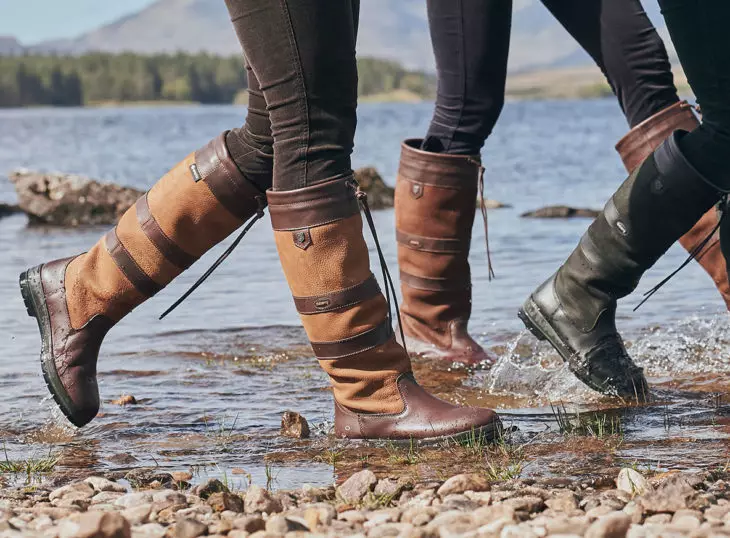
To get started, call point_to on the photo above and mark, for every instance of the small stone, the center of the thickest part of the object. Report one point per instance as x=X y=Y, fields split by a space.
x=464 y=482
x=181 y=476
x=354 y=489
x=487 y=514
x=294 y=425
x=517 y=531
x=319 y=514
x=673 y=494
x=131 y=500
x=126 y=399
x=599 y=511
x=249 y=524
x=614 y=525
x=528 y=504
x=355 y=517
x=103 y=525
x=219 y=527
x=225 y=501
x=99 y=483
x=687 y=519
x=105 y=497
x=189 y=528
x=169 y=497
x=210 y=487
x=391 y=529
x=632 y=482
x=563 y=501
x=77 y=490
x=379 y=517
x=279 y=525
x=260 y=500
x=235 y=533
x=567 y=525
x=388 y=487
x=138 y=515
x=149 y=530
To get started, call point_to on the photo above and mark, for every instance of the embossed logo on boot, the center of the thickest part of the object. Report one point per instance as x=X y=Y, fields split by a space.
x=302 y=239
x=417 y=190
x=322 y=303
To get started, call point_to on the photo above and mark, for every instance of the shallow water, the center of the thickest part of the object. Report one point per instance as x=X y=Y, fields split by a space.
x=214 y=377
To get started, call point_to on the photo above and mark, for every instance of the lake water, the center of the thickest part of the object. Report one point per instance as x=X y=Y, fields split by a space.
x=213 y=378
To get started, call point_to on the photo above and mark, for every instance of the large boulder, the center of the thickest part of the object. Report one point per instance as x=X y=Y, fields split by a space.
x=561 y=212
x=70 y=200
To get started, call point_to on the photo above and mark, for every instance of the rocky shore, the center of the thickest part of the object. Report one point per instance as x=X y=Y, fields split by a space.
x=155 y=505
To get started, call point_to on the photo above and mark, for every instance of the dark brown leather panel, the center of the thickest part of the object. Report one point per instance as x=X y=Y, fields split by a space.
x=424 y=417
x=167 y=247
x=435 y=284
x=433 y=244
x=214 y=166
x=317 y=205
x=357 y=344
x=128 y=266
x=338 y=299
x=436 y=169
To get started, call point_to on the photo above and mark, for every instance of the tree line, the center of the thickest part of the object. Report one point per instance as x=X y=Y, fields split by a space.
x=32 y=80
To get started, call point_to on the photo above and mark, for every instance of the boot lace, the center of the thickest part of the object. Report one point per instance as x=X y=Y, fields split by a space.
x=261 y=200
x=697 y=252
x=485 y=217
x=390 y=294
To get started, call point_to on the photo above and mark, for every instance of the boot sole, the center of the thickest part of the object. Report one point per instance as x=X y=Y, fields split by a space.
x=488 y=433
x=31 y=288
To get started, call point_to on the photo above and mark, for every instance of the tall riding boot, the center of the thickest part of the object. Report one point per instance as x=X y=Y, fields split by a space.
x=318 y=231
x=435 y=204
x=575 y=309
x=77 y=300
x=638 y=144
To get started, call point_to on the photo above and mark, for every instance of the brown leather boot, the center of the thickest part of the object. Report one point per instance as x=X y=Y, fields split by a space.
x=435 y=202
x=318 y=233
x=643 y=140
x=77 y=300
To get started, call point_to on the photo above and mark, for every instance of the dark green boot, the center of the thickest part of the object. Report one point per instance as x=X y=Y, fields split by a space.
x=575 y=308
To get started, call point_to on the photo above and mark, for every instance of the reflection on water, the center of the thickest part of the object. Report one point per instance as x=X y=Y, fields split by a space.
x=212 y=380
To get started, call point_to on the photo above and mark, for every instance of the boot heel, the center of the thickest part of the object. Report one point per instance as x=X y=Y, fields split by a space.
x=537 y=333
x=27 y=294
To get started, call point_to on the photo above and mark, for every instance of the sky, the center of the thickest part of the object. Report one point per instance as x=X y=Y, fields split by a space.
x=32 y=21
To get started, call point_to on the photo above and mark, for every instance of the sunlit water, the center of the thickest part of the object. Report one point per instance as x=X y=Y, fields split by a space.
x=214 y=377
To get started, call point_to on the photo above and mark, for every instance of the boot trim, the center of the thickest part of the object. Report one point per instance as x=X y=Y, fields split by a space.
x=317 y=205
x=215 y=166
x=124 y=260
x=642 y=140
x=157 y=236
x=357 y=344
x=436 y=169
x=435 y=284
x=432 y=244
x=670 y=161
x=336 y=300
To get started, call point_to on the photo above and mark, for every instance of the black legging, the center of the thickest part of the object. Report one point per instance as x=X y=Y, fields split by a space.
x=471 y=44
x=303 y=82
x=699 y=30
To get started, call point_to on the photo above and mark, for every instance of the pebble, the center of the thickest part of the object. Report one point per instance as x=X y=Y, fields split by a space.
x=260 y=500
x=354 y=489
x=225 y=501
x=100 y=483
x=614 y=525
x=463 y=482
x=210 y=487
x=126 y=399
x=131 y=500
x=103 y=525
x=632 y=482
x=249 y=524
x=189 y=528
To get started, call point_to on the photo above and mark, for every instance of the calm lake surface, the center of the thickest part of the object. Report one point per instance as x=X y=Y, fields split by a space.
x=213 y=378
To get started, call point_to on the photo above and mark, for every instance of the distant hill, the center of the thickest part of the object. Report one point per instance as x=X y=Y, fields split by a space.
x=390 y=29
x=10 y=46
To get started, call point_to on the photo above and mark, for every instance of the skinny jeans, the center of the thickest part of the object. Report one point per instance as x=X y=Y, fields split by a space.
x=471 y=44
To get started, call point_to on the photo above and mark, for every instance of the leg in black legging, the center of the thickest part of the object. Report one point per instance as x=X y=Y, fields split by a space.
x=303 y=56
x=700 y=34
x=622 y=41
x=471 y=43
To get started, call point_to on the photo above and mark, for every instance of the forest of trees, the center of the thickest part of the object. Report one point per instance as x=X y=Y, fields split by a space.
x=33 y=80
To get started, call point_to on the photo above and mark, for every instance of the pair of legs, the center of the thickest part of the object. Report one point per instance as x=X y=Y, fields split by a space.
x=660 y=201
x=294 y=154
x=439 y=175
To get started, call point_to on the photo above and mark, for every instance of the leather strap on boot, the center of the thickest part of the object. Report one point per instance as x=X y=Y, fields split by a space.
x=435 y=205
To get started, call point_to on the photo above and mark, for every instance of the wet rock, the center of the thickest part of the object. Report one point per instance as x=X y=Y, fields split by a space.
x=294 y=425
x=249 y=524
x=380 y=195
x=126 y=399
x=189 y=528
x=71 y=492
x=225 y=501
x=493 y=204
x=632 y=482
x=561 y=212
x=354 y=489
x=181 y=476
x=123 y=459
x=260 y=500
x=279 y=525
x=103 y=525
x=70 y=200
x=206 y=489
x=614 y=525
x=149 y=478
x=463 y=482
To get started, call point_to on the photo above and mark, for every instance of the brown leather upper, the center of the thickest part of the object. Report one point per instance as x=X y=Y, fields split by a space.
x=424 y=416
x=643 y=140
x=435 y=203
